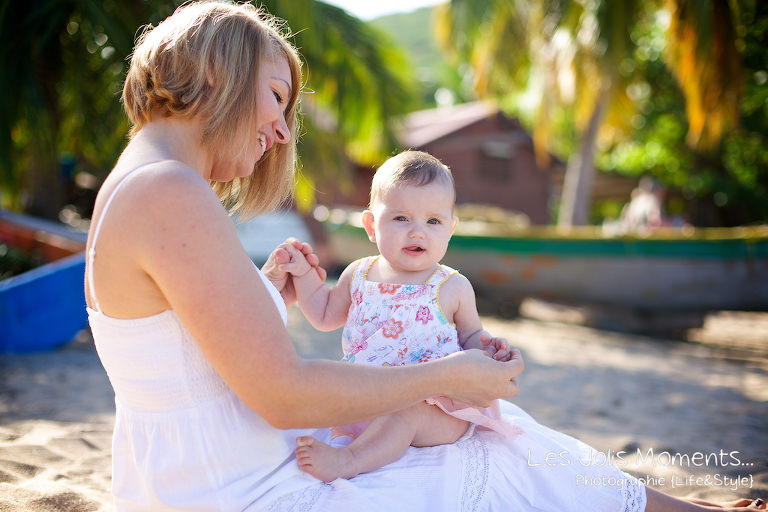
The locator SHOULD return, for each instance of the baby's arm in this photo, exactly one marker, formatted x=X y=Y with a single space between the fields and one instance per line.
x=325 y=307
x=460 y=298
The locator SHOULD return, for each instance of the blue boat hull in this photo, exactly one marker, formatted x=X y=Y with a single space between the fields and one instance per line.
x=43 y=308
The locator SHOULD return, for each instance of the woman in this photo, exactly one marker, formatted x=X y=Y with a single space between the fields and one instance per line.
x=189 y=331
x=193 y=336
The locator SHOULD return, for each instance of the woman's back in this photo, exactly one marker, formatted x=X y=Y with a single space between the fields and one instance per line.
x=182 y=438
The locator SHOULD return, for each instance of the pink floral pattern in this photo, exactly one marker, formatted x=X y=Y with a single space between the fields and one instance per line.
x=357 y=348
x=385 y=328
x=388 y=288
x=423 y=315
x=400 y=323
x=392 y=328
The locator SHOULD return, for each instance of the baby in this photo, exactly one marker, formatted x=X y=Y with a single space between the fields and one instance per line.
x=400 y=307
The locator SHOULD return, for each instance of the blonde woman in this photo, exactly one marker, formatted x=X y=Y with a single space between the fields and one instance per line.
x=190 y=332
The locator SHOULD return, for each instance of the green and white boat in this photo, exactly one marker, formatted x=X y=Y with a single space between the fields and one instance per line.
x=666 y=271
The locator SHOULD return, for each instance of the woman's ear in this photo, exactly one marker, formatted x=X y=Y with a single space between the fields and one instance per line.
x=368 y=224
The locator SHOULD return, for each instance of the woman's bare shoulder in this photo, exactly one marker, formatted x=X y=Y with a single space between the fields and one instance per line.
x=168 y=205
x=159 y=191
x=158 y=178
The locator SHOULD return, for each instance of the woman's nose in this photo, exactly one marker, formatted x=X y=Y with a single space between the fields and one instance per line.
x=282 y=133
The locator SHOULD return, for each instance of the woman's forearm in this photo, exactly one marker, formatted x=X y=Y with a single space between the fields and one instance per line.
x=324 y=393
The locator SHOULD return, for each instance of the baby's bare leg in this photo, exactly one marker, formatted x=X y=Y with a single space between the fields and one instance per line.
x=385 y=440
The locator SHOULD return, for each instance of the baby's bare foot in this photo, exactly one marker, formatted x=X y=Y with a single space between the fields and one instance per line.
x=323 y=461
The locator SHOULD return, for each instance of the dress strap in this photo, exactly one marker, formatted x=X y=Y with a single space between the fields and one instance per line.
x=440 y=275
x=365 y=266
x=362 y=267
x=437 y=279
x=92 y=250
x=360 y=272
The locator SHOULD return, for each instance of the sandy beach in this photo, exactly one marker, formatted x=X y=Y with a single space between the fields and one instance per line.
x=688 y=418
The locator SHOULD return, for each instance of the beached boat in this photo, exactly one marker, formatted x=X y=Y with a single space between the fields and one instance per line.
x=42 y=308
x=674 y=272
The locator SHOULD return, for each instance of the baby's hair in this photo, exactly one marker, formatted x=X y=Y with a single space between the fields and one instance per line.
x=415 y=168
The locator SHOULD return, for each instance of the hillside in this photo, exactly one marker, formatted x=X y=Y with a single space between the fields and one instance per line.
x=413 y=31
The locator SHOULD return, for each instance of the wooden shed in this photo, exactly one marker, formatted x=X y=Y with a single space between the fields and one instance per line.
x=492 y=159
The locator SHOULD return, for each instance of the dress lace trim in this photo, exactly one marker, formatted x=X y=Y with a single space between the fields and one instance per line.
x=475 y=469
x=633 y=497
x=303 y=500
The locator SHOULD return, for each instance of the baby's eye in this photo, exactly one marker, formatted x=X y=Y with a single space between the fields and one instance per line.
x=433 y=221
x=401 y=218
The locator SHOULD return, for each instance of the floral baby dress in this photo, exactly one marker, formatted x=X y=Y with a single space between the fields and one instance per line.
x=400 y=324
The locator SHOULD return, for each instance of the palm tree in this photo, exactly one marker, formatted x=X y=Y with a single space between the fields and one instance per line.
x=574 y=53
x=356 y=81
x=64 y=60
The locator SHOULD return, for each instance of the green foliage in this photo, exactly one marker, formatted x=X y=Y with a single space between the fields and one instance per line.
x=64 y=61
x=14 y=261
x=412 y=31
x=728 y=185
x=356 y=78
x=745 y=150
x=675 y=74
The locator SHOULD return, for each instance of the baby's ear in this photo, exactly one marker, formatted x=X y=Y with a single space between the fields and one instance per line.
x=454 y=223
x=368 y=224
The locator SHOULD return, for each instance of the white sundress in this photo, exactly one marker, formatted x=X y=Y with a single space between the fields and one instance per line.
x=184 y=441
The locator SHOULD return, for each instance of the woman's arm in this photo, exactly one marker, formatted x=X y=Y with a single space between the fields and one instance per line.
x=188 y=246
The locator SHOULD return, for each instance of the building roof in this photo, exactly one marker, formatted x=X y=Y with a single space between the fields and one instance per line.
x=422 y=127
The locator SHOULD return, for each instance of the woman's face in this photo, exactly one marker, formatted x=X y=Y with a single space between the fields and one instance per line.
x=274 y=91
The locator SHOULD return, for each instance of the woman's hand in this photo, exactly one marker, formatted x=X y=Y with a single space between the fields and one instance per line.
x=481 y=379
x=280 y=278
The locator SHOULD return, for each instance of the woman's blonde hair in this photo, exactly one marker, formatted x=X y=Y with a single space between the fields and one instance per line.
x=415 y=168
x=204 y=61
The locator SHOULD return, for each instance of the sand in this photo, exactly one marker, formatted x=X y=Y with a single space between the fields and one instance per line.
x=690 y=419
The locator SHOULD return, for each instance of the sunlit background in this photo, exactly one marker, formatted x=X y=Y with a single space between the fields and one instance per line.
x=607 y=92
x=630 y=123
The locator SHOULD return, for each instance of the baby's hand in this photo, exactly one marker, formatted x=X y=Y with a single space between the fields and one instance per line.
x=497 y=348
x=293 y=260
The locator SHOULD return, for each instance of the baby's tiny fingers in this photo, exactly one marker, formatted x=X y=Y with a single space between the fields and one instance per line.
x=312 y=259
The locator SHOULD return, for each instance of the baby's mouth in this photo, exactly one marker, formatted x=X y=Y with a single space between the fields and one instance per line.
x=414 y=249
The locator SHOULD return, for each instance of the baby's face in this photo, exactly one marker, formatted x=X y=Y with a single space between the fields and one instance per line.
x=413 y=225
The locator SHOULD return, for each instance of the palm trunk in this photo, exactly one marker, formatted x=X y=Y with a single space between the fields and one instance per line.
x=580 y=173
